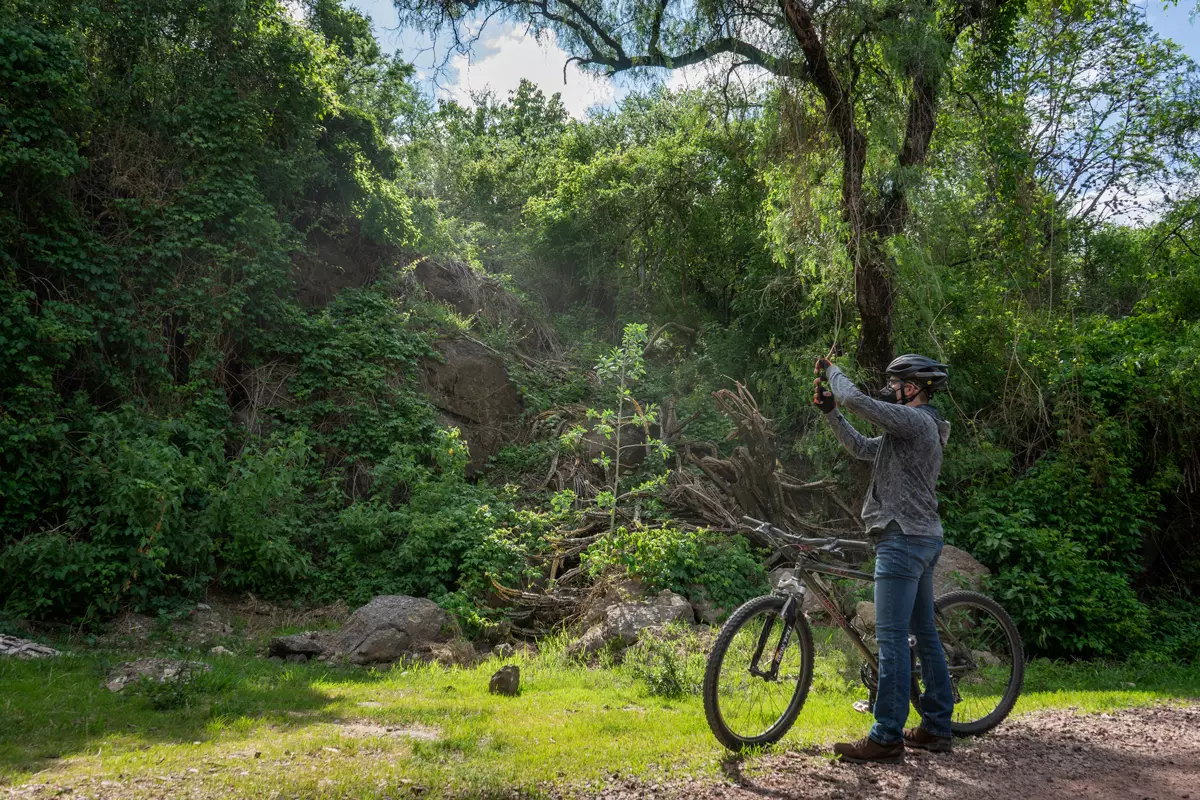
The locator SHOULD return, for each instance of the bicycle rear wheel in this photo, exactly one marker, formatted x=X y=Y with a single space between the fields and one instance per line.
x=753 y=690
x=985 y=657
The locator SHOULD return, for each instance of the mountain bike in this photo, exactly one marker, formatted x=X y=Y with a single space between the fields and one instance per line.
x=761 y=665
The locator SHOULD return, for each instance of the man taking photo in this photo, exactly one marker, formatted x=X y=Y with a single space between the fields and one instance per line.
x=901 y=517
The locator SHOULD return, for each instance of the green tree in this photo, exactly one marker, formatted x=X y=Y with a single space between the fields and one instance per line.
x=860 y=61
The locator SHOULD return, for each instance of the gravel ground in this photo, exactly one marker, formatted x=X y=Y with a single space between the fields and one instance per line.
x=1137 y=754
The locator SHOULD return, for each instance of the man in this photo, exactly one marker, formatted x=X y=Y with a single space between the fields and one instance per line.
x=901 y=517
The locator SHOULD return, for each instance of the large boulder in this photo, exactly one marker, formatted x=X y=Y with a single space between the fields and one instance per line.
x=957 y=569
x=613 y=591
x=469 y=385
x=391 y=627
x=623 y=623
x=864 y=617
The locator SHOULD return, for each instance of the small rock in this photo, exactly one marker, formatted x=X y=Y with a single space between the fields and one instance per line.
x=457 y=652
x=203 y=607
x=503 y=650
x=307 y=644
x=986 y=658
x=155 y=669
x=506 y=681
x=220 y=651
x=707 y=612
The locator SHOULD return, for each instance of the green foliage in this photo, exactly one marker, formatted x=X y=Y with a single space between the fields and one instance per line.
x=670 y=663
x=187 y=689
x=170 y=413
x=620 y=369
x=672 y=558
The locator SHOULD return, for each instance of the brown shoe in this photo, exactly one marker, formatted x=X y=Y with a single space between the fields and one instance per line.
x=924 y=740
x=867 y=750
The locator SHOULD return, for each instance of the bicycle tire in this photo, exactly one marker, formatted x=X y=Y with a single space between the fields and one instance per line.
x=1012 y=690
x=731 y=739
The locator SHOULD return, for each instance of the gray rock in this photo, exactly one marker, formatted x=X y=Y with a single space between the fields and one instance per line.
x=864 y=616
x=470 y=385
x=706 y=610
x=457 y=652
x=812 y=606
x=381 y=647
x=24 y=648
x=309 y=645
x=220 y=651
x=957 y=569
x=985 y=658
x=392 y=626
x=623 y=623
x=506 y=681
x=503 y=650
x=619 y=590
x=155 y=669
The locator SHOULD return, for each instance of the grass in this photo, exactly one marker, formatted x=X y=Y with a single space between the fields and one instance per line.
x=256 y=728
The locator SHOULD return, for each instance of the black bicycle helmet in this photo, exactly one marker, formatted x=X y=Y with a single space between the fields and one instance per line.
x=924 y=372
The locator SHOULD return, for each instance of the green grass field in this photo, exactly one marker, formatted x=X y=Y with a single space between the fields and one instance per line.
x=257 y=728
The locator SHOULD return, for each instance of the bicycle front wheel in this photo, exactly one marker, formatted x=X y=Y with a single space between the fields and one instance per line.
x=985 y=657
x=758 y=674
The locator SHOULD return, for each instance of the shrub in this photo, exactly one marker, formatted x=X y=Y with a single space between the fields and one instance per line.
x=673 y=558
x=671 y=664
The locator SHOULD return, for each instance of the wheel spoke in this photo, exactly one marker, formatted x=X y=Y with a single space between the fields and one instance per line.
x=982 y=658
x=751 y=705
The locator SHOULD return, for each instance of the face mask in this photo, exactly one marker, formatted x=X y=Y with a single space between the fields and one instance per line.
x=893 y=394
x=887 y=394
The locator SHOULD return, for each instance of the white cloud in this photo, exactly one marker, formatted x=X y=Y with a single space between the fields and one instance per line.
x=508 y=55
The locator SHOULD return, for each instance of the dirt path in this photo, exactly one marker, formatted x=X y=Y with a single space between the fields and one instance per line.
x=1139 y=754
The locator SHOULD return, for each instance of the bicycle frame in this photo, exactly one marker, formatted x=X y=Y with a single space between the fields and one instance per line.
x=808 y=570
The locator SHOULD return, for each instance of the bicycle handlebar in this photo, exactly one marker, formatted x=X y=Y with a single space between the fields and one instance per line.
x=824 y=543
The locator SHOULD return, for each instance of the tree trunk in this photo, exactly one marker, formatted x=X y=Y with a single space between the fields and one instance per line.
x=874 y=293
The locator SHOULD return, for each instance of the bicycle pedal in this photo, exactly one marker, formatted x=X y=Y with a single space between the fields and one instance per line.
x=862 y=706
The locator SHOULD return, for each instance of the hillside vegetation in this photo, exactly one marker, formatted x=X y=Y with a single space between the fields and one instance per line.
x=216 y=334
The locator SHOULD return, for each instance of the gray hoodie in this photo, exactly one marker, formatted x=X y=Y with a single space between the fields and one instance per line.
x=908 y=457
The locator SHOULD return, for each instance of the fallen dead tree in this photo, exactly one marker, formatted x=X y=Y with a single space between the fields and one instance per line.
x=704 y=490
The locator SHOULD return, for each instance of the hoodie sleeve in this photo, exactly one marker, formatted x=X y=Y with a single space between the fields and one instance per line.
x=899 y=421
x=863 y=448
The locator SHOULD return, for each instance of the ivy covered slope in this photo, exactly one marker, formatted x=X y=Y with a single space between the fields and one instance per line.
x=209 y=358
x=171 y=177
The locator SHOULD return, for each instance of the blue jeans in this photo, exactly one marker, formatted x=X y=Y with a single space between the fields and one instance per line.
x=904 y=602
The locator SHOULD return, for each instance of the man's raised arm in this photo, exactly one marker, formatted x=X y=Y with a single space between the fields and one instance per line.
x=900 y=421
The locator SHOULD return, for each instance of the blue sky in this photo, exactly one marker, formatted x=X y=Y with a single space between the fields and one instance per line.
x=505 y=55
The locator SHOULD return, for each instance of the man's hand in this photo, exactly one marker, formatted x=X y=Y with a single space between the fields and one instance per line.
x=820 y=367
x=823 y=398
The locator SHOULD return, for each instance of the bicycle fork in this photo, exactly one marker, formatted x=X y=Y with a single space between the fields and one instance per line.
x=789 y=620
